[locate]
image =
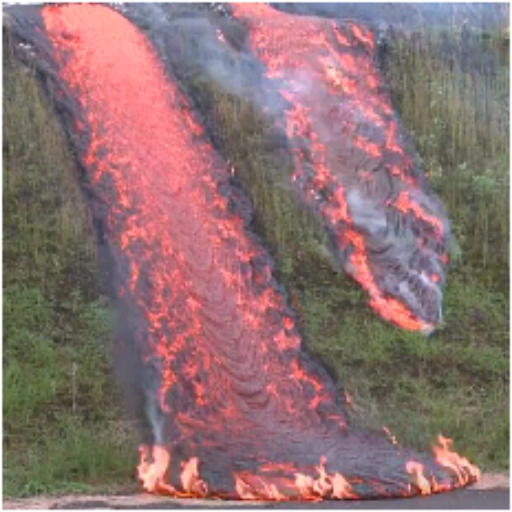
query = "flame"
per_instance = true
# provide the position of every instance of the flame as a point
(153, 469)
(273, 494)
(307, 487)
(416, 470)
(465, 472)
(260, 489)
(153, 474)
(341, 489)
(322, 485)
(333, 486)
(460, 466)
(244, 490)
(190, 480)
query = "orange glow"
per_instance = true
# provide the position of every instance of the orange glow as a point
(221, 368)
(415, 469)
(364, 35)
(244, 490)
(153, 474)
(341, 489)
(463, 471)
(307, 487)
(460, 466)
(405, 204)
(324, 486)
(260, 490)
(190, 480)
(391, 437)
(345, 80)
(370, 148)
(191, 267)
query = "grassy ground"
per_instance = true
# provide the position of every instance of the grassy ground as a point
(452, 93)
(61, 418)
(62, 428)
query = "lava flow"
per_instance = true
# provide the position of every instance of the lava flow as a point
(237, 408)
(389, 232)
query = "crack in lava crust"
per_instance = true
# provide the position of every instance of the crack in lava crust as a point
(237, 408)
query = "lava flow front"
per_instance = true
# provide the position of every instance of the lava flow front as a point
(389, 232)
(237, 408)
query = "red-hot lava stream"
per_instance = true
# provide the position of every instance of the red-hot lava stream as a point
(389, 232)
(238, 410)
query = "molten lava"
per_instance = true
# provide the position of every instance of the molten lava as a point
(351, 167)
(237, 408)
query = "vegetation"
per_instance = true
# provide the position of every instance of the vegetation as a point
(62, 420)
(63, 426)
(452, 93)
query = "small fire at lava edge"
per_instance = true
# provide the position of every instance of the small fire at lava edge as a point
(237, 408)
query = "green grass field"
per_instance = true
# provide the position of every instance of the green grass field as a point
(64, 427)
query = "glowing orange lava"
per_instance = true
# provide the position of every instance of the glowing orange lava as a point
(327, 75)
(237, 408)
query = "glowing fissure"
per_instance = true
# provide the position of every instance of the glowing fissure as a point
(237, 409)
(350, 164)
